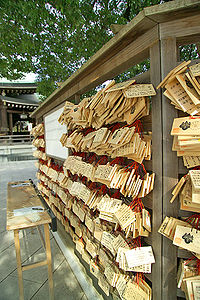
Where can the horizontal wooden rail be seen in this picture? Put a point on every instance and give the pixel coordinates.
(35, 265)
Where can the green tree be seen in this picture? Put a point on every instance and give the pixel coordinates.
(54, 38)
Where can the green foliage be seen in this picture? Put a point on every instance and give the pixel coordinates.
(133, 71)
(54, 38)
(188, 52)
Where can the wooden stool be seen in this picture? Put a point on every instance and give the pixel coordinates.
(25, 210)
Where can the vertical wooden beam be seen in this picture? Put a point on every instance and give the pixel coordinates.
(48, 255)
(155, 76)
(4, 119)
(170, 173)
(19, 264)
(11, 123)
(77, 98)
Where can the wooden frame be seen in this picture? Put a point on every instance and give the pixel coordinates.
(155, 33)
(22, 195)
(47, 261)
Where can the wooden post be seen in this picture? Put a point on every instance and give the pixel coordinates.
(19, 264)
(170, 173)
(4, 119)
(48, 255)
(155, 76)
(77, 98)
(11, 123)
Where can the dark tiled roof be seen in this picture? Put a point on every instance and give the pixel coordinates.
(24, 99)
(9, 85)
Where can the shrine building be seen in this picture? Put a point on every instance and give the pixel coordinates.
(17, 102)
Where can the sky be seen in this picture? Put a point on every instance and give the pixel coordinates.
(30, 77)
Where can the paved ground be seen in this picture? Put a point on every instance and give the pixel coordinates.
(35, 281)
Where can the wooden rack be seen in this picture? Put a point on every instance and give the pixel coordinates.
(155, 33)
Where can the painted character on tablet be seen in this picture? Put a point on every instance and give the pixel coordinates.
(188, 238)
(185, 125)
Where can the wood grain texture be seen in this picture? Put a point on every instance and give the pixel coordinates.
(155, 76)
(172, 10)
(19, 264)
(35, 265)
(77, 98)
(180, 28)
(23, 197)
(49, 263)
(170, 174)
(186, 40)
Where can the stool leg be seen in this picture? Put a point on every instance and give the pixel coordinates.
(48, 254)
(19, 264)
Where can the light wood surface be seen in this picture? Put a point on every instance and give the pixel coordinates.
(170, 174)
(34, 265)
(155, 72)
(19, 264)
(22, 197)
(48, 255)
(180, 28)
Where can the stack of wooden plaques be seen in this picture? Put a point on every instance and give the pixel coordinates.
(93, 220)
(121, 102)
(169, 225)
(188, 278)
(128, 259)
(195, 180)
(38, 130)
(186, 132)
(187, 237)
(110, 209)
(188, 189)
(38, 142)
(128, 289)
(40, 154)
(183, 88)
(48, 170)
(66, 117)
(185, 233)
(128, 181)
(99, 203)
(133, 223)
(123, 142)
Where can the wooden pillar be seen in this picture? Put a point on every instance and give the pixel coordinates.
(4, 119)
(49, 263)
(19, 264)
(157, 157)
(11, 123)
(170, 173)
(77, 98)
